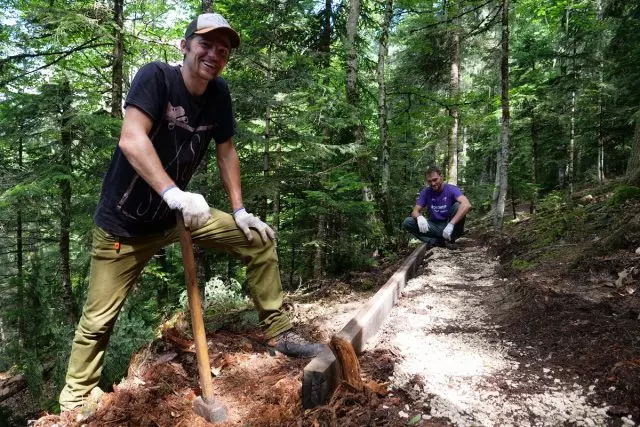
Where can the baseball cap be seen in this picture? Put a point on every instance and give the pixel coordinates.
(210, 22)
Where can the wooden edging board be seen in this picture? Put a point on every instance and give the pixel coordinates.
(319, 377)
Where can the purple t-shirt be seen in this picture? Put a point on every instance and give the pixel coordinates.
(439, 204)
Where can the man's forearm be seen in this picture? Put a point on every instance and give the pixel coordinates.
(142, 156)
(416, 212)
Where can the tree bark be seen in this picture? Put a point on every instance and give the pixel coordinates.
(383, 126)
(352, 95)
(118, 53)
(535, 137)
(64, 184)
(633, 165)
(352, 59)
(454, 113)
(325, 48)
(267, 133)
(19, 256)
(207, 6)
(504, 149)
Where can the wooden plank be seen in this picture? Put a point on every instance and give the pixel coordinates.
(319, 376)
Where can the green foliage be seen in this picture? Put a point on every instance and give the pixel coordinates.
(521, 264)
(623, 193)
(552, 202)
(220, 296)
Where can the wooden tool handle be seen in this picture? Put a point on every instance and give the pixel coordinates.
(197, 322)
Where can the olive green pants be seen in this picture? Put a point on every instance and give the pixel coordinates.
(115, 270)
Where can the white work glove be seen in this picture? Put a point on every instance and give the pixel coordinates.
(423, 224)
(193, 206)
(245, 221)
(448, 230)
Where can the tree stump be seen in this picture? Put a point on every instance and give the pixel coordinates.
(348, 364)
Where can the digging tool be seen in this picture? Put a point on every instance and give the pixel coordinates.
(205, 405)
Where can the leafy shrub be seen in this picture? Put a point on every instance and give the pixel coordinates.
(220, 296)
(623, 193)
(551, 202)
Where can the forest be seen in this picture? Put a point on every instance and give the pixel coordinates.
(341, 106)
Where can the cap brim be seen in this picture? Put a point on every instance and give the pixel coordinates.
(234, 38)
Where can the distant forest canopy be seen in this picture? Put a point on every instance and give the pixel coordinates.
(340, 106)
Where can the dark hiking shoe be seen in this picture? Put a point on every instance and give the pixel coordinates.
(451, 245)
(293, 345)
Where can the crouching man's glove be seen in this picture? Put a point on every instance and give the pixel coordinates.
(193, 206)
(423, 224)
(245, 221)
(448, 231)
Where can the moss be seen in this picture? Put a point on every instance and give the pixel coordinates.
(623, 193)
(521, 264)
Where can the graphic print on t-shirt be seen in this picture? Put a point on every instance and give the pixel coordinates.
(140, 201)
(439, 206)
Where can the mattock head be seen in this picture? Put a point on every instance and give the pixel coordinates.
(210, 410)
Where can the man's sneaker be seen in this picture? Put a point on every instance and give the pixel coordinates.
(293, 345)
(450, 245)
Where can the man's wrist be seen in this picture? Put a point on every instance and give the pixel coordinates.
(241, 208)
(167, 189)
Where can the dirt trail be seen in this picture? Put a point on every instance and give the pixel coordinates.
(463, 347)
(465, 362)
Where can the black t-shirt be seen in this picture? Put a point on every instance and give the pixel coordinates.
(183, 126)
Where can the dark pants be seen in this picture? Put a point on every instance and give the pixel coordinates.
(434, 235)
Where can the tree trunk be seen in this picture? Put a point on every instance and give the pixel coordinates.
(535, 136)
(64, 184)
(633, 165)
(118, 53)
(325, 48)
(504, 149)
(318, 258)
(352, 95)
(207, 6)
(385, 141)
(19, 257)
(352, 59)
(276, 196)
(496, 184)
(572, 144)
(452, 146)
(600, 56)
(267, 135)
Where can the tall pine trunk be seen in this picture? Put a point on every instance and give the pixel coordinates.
(600, 56)
(535, 137)
(454, 113)
(118, 53)
(385, 141)
(352, 95)
(64, 184)
(633, 165)
(504, 149)
(19, 256)
(325, 61)
(267, 134)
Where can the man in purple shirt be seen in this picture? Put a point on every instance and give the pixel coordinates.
(447, 208)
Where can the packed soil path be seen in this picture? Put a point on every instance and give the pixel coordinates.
(474, 349)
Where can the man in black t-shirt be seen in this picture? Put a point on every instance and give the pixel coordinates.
(172, 113)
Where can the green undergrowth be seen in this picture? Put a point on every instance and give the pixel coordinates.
(572, 230)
